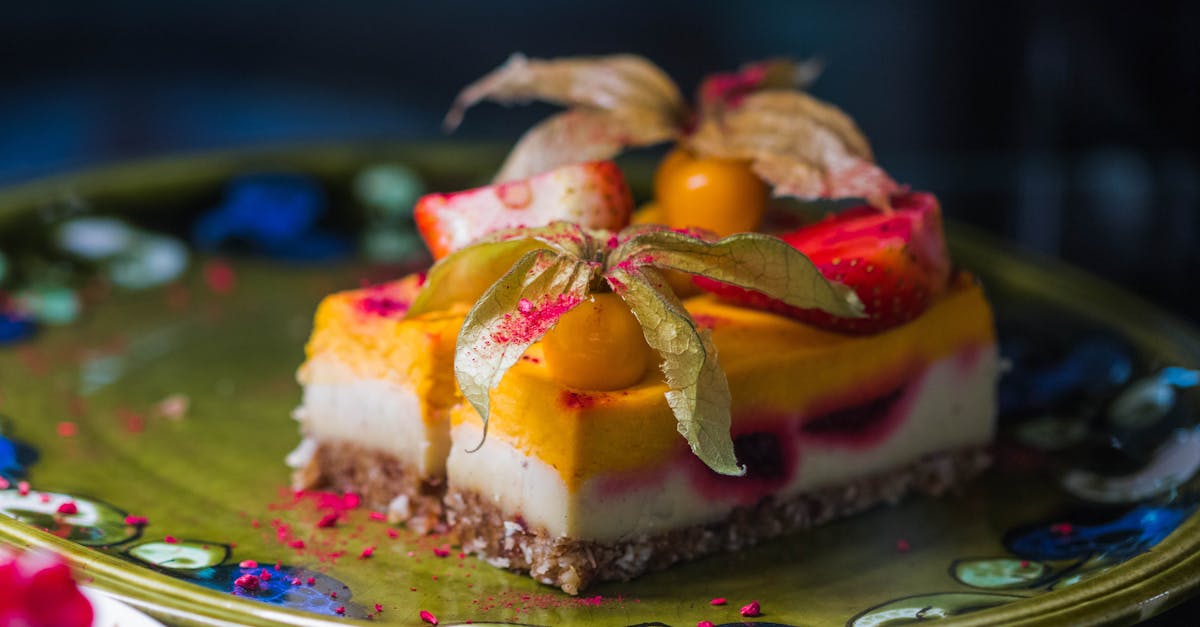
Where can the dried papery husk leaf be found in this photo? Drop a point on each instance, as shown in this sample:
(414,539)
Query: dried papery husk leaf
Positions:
(464,275)
(728,89)
(800,145)
(752,261)
(843,177)
(698,392)
(613,83)
(580,135)
(514,313)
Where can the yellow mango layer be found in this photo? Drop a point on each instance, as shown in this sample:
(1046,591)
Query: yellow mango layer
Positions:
(364,329)
(775,365)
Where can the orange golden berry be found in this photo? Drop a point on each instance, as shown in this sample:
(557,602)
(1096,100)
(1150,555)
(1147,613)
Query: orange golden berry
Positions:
(719,195)
(598,345)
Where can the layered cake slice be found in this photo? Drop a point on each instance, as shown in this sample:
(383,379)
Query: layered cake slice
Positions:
(547,395)
(576,486)
(377,393)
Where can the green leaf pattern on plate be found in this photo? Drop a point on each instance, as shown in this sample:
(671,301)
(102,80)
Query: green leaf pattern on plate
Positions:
(179,555)
(93,523)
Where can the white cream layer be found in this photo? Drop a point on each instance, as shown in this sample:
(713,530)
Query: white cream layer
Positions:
(953,407)
(340,405)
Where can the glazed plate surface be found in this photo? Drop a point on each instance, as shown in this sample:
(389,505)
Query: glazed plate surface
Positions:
(179,398)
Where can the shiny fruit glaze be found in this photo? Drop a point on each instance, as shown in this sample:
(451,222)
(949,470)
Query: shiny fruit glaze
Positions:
(598,345)
(719,195)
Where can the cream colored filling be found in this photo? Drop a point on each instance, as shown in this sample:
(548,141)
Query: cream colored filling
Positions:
(953,407)
(341,406)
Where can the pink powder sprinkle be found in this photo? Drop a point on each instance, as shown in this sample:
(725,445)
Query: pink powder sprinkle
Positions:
(616,284)
(248,564)
(377,516)
(328,520)
(367,552)
(265,575)
(378,607)
(351,500)
(428,617)
(902,546)
(1061,529)
(296,581)
(23,488)
(340,610)
(312,581)
(705,623)
(524,306)
(392,533)
(170,540)
(137,521)
(219,276)
(65,429)
(382,305)
(68,508)
(333,595)
(43,497)
(4,484)
(718,601)
(751,609)
(134,423)
(614,241)
(296,544)
(249,583)
(1024,563)
(533,320)
(441,551)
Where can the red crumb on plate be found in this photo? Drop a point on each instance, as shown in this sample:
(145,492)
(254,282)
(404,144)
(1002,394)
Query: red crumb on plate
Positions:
(219,276)
(65,429)
(751,609)
(68,508)
(137,521)
(428,617)
(718,601)
(249,583)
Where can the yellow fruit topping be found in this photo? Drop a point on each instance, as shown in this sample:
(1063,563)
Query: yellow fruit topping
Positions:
(598,345)
(720,195)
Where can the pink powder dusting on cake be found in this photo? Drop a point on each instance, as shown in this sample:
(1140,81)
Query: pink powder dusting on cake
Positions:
(532,320)
(577,400)
(380,304)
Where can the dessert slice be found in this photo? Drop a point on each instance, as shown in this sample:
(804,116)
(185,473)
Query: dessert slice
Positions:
(577,486)
(377,391)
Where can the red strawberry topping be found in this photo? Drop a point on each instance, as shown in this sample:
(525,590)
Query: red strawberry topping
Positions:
(593,195)
(895,261)
(36,590)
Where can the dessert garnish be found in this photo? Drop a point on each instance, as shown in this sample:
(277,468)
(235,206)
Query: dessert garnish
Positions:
(593,195)
(36,589)
(554,269)
(896,262)
(758,115)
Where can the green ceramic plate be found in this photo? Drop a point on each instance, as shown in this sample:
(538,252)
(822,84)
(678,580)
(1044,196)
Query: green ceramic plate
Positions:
(1015,549)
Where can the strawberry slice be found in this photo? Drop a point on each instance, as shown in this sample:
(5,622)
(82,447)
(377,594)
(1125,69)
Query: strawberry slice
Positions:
(896,262)
(593,195)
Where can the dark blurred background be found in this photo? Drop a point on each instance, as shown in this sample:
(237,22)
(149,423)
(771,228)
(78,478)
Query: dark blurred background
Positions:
(1069,128)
